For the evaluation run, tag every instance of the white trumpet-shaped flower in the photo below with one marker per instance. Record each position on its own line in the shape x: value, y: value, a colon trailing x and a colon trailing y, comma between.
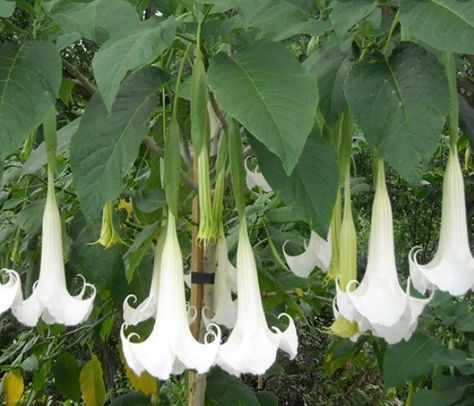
x: 224, y: 306
x: 50, y: 298
x: 452, y: 268
x: 170, y: 348
x: 8, y: 290
x: 146, y: 309
x: 252, y: 346
x: 317, y: 254
x: 255, y: 179
x: 379, y: 303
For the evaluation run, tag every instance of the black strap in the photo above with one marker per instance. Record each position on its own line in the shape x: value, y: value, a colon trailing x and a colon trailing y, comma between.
x: 201, y: 278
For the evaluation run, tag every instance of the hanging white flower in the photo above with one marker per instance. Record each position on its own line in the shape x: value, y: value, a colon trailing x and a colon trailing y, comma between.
x: 317, y: 254
x: 50, y: 298
x: 452, y: 268
x: 170, y: 348
x: 224, y: 306
x: 252, y: 346
x: 8, y: 290
x: 379, y: 303
x: 146, y: 309
x: 255, y: 179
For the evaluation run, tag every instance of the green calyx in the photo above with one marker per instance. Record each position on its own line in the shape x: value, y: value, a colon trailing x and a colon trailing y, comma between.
x: 108, y: 235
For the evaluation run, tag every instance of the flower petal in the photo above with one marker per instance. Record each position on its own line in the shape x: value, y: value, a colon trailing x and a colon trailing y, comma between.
x: 9, y: 290
x: 27, y: 311
x: 289, y: 337
x: 255, y: 179
x: 301, y: 265
x: 144, y: 311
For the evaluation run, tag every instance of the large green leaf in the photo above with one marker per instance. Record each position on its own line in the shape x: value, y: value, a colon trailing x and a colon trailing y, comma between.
x: 30, y: 76
x: 409, y: 359
x: 331, y: 66
x: 128, y: 52
x: 311, y: 188
x: 267, y: 90
x: 95, y: 20
x: 7, y: 7
x: 347, y: 13
x: 66, y: 376
x: 277, y: 19
x: 106, y: 144
x: 443, y: 24
x: 400, y: 103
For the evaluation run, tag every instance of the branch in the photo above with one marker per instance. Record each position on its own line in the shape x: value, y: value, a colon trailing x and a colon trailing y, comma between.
x: 151, y: 145
x: 80, y: 77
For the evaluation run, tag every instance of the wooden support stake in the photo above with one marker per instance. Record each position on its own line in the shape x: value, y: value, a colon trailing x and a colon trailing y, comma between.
x: 196, y: 385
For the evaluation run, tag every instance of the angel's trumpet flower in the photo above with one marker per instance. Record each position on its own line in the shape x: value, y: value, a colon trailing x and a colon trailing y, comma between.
x: 317, y: 254
x: 50, y: 298
x: 379, y: 303
x: 8, y: 290
x: 108, y: 235
x: 146, y: 309
x: 170, y: 348
x: 252, y: 346
x: 255, y: 179
x: 224, y: 306
x: 452, y: 268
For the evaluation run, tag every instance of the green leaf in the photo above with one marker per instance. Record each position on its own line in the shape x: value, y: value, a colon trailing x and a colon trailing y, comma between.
x: 141, y: 245
x: 30, y: 76
x: 131, y: 399
x: 38, y: 157
x: 409, y: 359
x: 447, y: 390
x: 277, y: 19
x: 447, y: 25
x: 318, y: 161
x: 129, y: 52
x: 92, y: 383
x: 106, y: 144
x: 30, y: 218
x: 95, y: 20
x: 400, y: 103
x: 224, y: 389
x: 7, y: 7
x: 347, y: 13
x: 265, y: 88
x: 66, y: 376
x: 331, y: 66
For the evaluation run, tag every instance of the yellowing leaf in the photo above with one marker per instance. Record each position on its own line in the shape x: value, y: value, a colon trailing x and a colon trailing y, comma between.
x: 13, y: 387
x: 92, y: 383
x: 144, y: 383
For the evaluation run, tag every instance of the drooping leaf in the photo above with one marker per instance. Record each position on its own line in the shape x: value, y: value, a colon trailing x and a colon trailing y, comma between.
x: 92, y: 383
x: 144, y: 383
x: 13, y: 387
x: 409, y: 359
x: 129, y: 52
x: 38, y: 157
x: 98, y: 162
x: 447, y: 390
x: 265, y: 88
x: 311, y: 188
x: 331, y: 66
x: 141, y: 244
x: 447, y: 25
x: 95, y: 20
x: 277, y: 19
x: 400, y: 103
x: 30, y: 76
x: 346, y: 13
x: 7, y: 7
x: 66, y: 376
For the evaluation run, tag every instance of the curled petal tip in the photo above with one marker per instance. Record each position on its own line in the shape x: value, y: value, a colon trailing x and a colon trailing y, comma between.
x: 131, y: 297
